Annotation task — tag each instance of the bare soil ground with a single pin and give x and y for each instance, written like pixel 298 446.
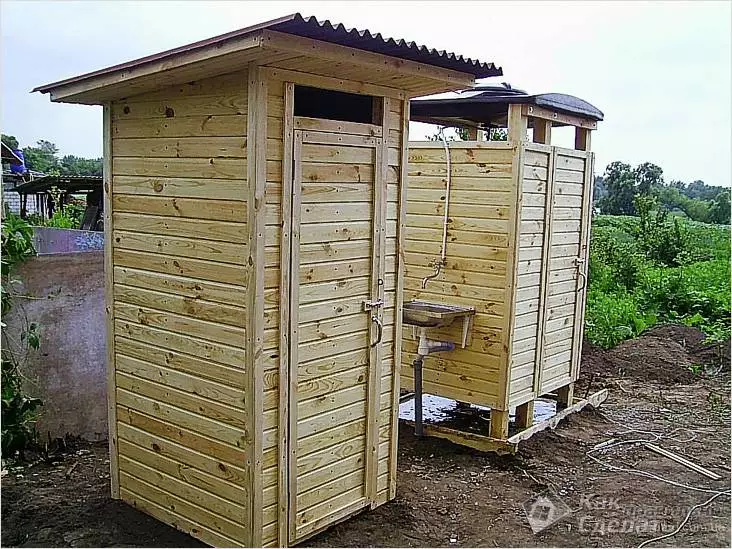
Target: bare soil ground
pixel 453 496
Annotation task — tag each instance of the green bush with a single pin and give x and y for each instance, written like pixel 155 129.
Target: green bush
pixel 19 411
pixel 654 268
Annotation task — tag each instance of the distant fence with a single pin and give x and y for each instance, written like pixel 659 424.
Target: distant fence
pixel 65 296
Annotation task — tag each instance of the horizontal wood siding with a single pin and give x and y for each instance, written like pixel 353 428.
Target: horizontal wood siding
pixel 179 192
pixel 531 242
pixel 481 200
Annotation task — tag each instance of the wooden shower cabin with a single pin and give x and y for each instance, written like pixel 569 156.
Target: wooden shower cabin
pixel 254 203
pixel 516 250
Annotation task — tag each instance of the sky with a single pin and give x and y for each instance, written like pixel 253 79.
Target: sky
pixel 660 71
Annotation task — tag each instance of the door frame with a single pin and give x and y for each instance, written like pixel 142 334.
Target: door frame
pixel 295 133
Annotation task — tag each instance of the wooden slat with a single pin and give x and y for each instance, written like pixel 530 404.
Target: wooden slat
pixel 177 187
pixel 210 250
pixel 182 286
pixel 191 228
pixel 182 147
pixel 285 386
pixel 181 266
pixel 190 126
pixel 199 309
pixel 214 168
pixel 219 210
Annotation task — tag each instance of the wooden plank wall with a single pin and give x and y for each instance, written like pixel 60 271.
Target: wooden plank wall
pixel 525 346
pixel 482 197
pixel 179 196
pixel 561 314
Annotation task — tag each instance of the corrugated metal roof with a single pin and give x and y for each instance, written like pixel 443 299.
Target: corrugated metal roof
pixel 326 31
pixel 310 27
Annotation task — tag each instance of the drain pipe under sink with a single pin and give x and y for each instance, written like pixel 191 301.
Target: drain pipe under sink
pixel 426 347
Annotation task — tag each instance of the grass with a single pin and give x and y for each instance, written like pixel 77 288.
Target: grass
pixel 646 270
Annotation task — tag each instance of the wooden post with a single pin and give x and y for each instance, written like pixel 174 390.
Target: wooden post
pixel 542 131
pixel 473 134
pixel 109 299
pixel 525 415
pixel 517 124
pixel 402 221
pixel 256 175
pixel 582 139
pixel 499 424
pixel 285 282
pixel 565 396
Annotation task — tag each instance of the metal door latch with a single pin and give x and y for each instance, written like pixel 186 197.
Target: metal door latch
pixel 579 263
pixel 375 304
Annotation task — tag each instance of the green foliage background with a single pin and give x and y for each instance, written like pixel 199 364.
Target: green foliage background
pixel 652 268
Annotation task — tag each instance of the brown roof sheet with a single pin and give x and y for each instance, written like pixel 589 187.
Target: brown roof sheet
pixel 310 27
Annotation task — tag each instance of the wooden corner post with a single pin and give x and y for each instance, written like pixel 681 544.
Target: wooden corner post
pixel 517 124
pixel 109 300
pixel 256 177
pixel 285 389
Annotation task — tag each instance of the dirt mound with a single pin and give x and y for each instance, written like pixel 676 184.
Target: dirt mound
pixel 686 336
pixel 668 353
pixel 652 359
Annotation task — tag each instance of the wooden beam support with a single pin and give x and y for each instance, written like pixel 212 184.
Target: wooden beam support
pixel 560 118
pixel 565 396
pixel 525 415
pixel 517 124
pixel 329 83
pixel 593 400
pixel 499 424
pixel 582 139
pixel 542 131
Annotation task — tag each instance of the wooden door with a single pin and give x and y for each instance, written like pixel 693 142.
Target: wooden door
pixel 568 232
pixel 336 292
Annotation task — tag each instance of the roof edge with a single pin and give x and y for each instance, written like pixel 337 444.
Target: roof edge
pixel 187 48
pixel 293 24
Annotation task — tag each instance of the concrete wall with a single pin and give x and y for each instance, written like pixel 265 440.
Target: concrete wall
pixel 69 371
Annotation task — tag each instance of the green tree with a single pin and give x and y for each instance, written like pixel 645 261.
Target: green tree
pixel 619 180
pixel 42 158
pixel 719 212
pixel 10 141
pixel 647 177
pixel 75 165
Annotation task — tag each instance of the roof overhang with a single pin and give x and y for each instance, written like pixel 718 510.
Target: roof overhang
pixel 267 43
pixel 488 106
pixel 9 155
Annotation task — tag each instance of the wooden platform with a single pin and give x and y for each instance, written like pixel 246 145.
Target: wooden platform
pixel 486 443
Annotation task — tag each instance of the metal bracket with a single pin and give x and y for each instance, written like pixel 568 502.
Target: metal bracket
pixel 375 304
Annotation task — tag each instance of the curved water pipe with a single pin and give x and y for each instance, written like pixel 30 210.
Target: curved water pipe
pixel 443 252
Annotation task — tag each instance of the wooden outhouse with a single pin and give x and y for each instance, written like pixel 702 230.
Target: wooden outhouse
pixel 501 226
pixel 254 204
